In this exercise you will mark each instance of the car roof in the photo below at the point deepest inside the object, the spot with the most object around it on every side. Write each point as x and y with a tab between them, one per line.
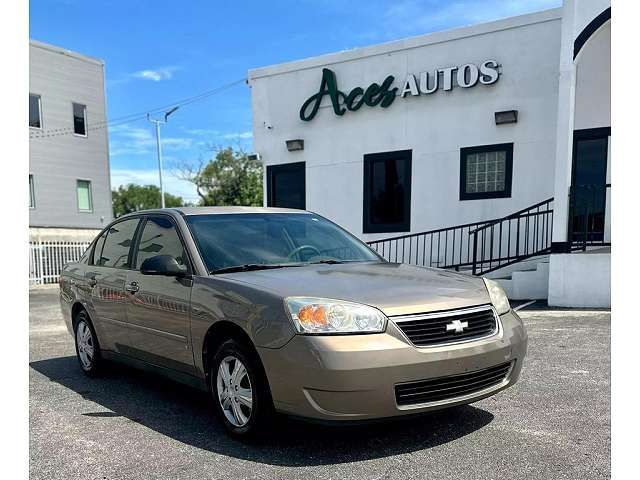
187	211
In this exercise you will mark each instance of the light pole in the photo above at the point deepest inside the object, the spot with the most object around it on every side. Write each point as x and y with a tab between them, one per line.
159	147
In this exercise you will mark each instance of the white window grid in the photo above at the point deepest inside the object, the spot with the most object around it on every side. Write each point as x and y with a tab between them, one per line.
485	172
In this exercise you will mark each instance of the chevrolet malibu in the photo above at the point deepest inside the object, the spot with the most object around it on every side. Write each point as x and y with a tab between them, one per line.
277	310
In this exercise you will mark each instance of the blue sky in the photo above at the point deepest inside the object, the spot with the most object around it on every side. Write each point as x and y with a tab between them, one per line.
160	51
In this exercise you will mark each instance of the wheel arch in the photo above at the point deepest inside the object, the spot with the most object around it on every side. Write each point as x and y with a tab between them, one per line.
75	310
220	332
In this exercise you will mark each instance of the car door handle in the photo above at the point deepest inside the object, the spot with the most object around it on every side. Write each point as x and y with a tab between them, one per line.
132	287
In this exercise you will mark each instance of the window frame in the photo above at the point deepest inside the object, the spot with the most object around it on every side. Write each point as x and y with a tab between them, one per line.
31	94
508	171
32	192
368	160
138	235
104	231
73	118
78	180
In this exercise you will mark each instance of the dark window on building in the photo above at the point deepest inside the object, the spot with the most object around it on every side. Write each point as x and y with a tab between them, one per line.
115	252
159	237
80	119
387	192
485	171
35	115
286	185
32	193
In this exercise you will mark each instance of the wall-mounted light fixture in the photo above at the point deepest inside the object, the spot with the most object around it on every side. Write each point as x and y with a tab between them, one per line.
293	145
507	116
254	157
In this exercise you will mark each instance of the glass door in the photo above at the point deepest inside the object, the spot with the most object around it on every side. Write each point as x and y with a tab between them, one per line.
589	184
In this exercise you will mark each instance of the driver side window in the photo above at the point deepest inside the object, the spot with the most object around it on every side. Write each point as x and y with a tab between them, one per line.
159	237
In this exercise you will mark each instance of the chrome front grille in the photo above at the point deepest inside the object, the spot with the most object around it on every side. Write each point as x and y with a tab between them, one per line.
451	387
450	326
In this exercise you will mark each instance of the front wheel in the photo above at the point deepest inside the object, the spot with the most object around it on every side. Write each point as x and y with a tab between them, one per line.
239	389
87	348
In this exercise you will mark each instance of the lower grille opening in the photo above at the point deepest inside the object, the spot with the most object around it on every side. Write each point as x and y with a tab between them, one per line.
443	388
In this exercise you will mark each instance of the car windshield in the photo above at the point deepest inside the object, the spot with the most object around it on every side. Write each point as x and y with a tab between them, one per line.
252	240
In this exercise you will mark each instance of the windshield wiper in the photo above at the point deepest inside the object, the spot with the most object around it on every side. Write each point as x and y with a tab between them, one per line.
249	267
328	261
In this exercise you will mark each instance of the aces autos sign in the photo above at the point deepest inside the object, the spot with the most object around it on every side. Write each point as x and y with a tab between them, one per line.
384	94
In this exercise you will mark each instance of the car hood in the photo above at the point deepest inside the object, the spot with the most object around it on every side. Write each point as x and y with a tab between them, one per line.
396	289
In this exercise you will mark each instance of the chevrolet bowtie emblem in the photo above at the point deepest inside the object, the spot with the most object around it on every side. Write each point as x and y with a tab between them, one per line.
457	326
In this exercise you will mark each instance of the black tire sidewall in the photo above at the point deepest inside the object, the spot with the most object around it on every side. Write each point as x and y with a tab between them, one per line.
83	317
261	399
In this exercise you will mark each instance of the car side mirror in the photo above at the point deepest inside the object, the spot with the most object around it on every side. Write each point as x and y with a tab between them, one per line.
162	265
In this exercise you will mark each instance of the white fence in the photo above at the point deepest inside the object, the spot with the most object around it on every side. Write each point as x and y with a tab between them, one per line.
46	259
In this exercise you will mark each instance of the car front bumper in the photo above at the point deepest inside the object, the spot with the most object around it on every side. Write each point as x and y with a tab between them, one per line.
353	377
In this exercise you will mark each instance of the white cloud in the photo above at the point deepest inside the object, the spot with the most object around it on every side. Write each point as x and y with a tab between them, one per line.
172	184
125	140
157	74
238	135
217	134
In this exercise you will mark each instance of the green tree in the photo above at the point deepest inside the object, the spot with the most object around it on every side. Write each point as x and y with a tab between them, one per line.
131	198
230	178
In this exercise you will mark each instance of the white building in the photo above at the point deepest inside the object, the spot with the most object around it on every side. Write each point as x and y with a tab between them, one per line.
504	125
69	183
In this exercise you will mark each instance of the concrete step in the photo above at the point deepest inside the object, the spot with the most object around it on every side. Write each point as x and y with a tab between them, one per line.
529	284
507	286
524	265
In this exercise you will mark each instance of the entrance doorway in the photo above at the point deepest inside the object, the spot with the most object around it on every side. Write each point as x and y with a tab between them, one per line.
589	186
286	185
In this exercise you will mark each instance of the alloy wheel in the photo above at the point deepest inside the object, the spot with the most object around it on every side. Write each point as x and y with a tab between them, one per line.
84	340
235	392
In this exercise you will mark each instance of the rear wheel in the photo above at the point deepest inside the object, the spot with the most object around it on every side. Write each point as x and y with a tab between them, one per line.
239	389
87	348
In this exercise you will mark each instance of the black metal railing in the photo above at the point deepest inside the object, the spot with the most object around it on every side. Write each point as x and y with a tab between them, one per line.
483	247
444	247
479	247
518	236
587	216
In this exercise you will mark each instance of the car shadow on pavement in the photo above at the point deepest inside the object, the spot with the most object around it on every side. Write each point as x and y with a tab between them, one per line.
186	415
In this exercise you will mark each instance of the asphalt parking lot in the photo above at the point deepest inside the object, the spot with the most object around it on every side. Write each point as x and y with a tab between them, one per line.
555	423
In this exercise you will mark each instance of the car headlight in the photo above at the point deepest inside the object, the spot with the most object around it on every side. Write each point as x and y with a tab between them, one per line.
498	297
322	315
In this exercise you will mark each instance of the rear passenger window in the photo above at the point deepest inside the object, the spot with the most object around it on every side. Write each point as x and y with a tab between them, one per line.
159	237
115	252
97	251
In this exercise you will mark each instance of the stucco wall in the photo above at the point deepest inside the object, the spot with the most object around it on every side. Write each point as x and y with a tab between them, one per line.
593	81
580	280
435	127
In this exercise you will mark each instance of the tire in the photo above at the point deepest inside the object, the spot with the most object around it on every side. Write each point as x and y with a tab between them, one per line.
87	346
231	391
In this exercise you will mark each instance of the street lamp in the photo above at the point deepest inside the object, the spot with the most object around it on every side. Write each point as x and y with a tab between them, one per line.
159	147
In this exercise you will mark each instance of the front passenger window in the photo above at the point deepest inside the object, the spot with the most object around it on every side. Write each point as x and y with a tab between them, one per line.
159	237
115	252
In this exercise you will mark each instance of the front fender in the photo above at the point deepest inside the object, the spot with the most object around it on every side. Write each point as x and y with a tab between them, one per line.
258	312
